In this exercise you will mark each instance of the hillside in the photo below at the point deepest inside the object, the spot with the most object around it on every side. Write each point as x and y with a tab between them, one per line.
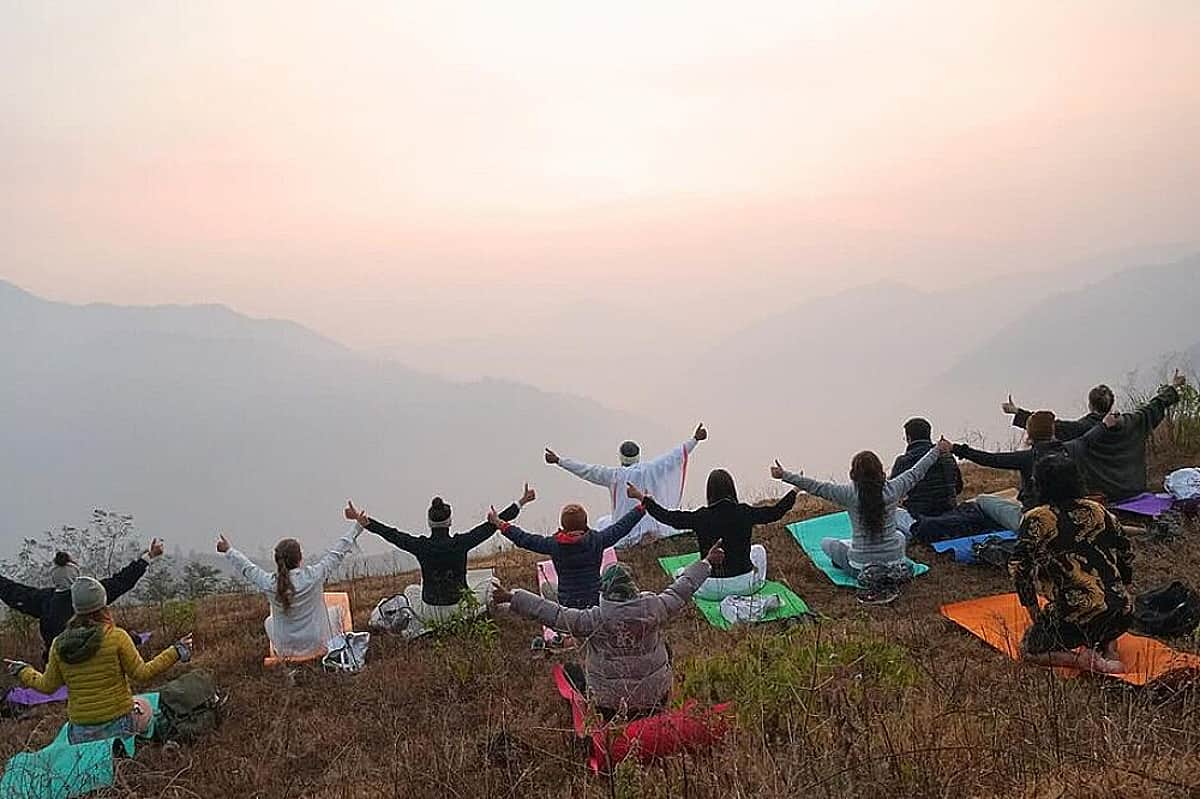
890	701
198	419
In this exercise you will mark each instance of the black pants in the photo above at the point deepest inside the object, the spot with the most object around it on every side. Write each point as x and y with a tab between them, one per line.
966	519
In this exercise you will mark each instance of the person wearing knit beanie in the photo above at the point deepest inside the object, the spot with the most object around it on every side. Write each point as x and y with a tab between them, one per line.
88	596
663	477
1040	426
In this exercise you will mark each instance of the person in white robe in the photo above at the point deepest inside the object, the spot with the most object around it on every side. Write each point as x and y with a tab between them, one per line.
664	478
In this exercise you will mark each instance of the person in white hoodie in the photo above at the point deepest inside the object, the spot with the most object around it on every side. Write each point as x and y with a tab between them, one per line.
663	477
300	625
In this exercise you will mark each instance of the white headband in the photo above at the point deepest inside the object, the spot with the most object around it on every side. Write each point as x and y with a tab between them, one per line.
627	460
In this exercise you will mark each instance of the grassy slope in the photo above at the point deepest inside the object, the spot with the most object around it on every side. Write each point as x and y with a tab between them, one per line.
885	701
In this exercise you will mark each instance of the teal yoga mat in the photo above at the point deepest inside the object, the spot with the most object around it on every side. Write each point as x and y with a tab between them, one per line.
808	535
63	770
792	606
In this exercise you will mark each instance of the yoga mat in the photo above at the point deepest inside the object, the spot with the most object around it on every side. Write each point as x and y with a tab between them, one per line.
792	606
28	697
339	600
1001	622
808	535
1152	505
548	574
963	547
63	770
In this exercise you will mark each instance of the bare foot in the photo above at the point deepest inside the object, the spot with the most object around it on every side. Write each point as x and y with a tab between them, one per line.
1104	665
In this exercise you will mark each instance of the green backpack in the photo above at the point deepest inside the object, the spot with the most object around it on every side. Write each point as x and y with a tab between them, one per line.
190	707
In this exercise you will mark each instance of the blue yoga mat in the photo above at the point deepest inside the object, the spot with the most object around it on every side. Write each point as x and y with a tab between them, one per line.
808	535
963	547
63	770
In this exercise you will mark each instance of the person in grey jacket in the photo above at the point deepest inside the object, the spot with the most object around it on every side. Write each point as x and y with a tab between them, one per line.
871	500
627	668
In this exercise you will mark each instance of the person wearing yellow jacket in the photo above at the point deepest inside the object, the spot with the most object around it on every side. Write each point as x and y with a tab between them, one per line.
95	659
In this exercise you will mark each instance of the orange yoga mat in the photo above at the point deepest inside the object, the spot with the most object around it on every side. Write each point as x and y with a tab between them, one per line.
1000	622
338	600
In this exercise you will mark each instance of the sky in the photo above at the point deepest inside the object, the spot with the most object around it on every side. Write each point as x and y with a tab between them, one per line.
400	175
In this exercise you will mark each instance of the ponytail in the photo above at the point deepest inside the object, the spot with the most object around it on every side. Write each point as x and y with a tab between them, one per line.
866	472
287	557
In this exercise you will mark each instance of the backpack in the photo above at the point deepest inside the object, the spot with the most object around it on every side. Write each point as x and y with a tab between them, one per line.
190	706
1166	612
395	615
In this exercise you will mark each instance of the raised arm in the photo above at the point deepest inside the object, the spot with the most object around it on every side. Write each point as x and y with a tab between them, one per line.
123	581
905	482
766	514
541	544
993	460
836	493
397	538
1150	415
330	561
579	623
610	535
678	593
482	532
139	670
253	573
600	475
679	519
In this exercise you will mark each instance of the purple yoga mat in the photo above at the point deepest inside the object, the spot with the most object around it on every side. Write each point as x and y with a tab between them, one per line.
1152	505
29	697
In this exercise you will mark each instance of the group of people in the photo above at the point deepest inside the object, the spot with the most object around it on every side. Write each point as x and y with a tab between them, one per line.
1070	549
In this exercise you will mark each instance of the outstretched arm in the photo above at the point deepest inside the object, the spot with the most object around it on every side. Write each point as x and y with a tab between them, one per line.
993	460
123	581
24	598
482	532
905	482
838	494
766	514
541	544
610	535
329	562
396	538
258	577
679	519
139	670
1150	416
600	475
579	623
677	594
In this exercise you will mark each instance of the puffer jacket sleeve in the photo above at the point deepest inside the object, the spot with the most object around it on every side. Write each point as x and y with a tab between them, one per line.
676	596
137	669
46	683
580	623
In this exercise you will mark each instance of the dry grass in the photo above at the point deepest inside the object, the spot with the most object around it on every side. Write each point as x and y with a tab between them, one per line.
891	701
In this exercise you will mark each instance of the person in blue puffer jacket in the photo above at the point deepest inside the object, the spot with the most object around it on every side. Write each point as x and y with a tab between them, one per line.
576	550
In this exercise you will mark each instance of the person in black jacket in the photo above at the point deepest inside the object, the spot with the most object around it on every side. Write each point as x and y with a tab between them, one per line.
52	606
443	558
932	505
744	569
576	550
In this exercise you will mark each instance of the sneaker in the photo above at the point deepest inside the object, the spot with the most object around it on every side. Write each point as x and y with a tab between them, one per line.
879	584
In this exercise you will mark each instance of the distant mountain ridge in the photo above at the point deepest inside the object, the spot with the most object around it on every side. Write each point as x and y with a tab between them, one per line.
198	419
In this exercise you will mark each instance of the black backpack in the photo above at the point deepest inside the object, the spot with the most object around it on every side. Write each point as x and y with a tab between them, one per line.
994	551
1166	612
189	706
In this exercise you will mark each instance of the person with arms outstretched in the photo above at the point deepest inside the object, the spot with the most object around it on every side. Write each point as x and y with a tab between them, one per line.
95	659
626	662
871	500
1100	402
300	624
52	606
663	477
442	557
744	568
576	550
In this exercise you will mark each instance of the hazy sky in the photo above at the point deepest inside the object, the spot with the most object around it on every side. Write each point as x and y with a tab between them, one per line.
393	172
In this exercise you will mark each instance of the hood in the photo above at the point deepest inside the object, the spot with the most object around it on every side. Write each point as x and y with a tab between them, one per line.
77	644
572	537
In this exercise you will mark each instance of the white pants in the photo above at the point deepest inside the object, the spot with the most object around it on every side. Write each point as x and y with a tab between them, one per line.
479	582
717	588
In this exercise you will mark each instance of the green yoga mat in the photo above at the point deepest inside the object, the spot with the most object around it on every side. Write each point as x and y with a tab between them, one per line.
63	770
792	605
808	535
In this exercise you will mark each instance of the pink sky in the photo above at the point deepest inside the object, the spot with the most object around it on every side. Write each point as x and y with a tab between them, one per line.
378	169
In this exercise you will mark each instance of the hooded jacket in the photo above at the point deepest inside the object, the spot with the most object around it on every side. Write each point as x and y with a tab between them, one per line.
626	660
1114	461
96	664
731	521
577	556
52	608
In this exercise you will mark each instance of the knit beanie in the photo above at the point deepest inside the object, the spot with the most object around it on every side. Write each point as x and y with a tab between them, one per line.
630	453
1040	426
88	596
439	514
63	572
617	585
574	518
